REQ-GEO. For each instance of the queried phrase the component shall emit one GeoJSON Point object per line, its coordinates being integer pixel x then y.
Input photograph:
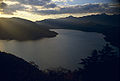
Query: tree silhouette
{"type": "Point", "coordinates": [101, 66]}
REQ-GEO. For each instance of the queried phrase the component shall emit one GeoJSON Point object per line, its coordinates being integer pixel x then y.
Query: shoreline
{"type": "Point", "coordinates": [107, 37]}
{"type": "Point", "coordinates": [31, 38]}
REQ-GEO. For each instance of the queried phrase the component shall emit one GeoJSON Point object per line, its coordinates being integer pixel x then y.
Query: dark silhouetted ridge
{"type": "Point", "coordinates": [21, 29]}
{"type": "Point", "coordinates": [13, 68]}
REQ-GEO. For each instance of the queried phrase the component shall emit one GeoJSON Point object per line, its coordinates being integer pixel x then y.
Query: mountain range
{"type": "Point", "coordinates": [21, 29]}
{"type": "Point", "coordinates": [79, 22]}
{"type": "Point", "coordinates": [101, 23]}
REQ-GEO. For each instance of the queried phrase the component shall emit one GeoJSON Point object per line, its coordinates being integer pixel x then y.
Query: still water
{"type": "Point", "coordinates": [65, 50]}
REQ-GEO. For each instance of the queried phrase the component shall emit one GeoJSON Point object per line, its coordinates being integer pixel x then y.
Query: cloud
{"type": "Point", "coordinates": [51, 5]}
{"type": "Point", "coordinates": [61, 0]}
{"type": "Point", "coordinates": [44, 3]}
{"type": "Point", "coordinates": [1, 0]}
{"type": "Point", "coordinates": [13, 8]}
{"type": "Point", "coordinates": [3, 5]}
{"type": "Point", "coordinates": [48, 7]}
{"type": "Point", "coordinates": [10, 9]}
{"type": "Point", "coordinates": [88, 8]}
{"type": "Point", "coordinates": [33, 2]}
{"type": "Point", "coordinates": [21, 5]}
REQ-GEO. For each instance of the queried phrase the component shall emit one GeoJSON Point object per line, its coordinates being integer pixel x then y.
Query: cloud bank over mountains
{"type": "Point", "coordinates": [48, 7]}
{"type": "Point", "coordinates": [87, 8]}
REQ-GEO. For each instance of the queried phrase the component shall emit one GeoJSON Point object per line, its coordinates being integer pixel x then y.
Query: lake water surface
{"type": "Point", "coordinates": [65, 50]}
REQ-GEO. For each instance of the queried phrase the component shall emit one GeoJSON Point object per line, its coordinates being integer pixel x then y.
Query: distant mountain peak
{"type": "Point", "coordinates": [103, 14]}
{"type": "Point", "coordinates": [71, 16]}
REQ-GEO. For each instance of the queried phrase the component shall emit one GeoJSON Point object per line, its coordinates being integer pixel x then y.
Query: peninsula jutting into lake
{"type": "Point", "coordinates": [22, 30]}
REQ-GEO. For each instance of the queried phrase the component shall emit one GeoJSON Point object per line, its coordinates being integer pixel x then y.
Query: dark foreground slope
{"type": "Point", "coordinates": [105, 24]}
{"type": "Point", "coordinates": [13, 68]}
{"type": "Point", "coordinates": [21, 29]}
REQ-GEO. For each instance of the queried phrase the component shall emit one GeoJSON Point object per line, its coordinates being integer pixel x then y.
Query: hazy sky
{"type": "Point", "coordinates": [43, 9]}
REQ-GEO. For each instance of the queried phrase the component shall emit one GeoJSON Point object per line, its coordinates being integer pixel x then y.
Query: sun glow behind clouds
{"type": "Point", "coordinates": [11, 2]}
{"type": "Point", "coordinates": [33, 16]}
{"type": "Point", "coordinates": [36, 17]}
{"type": "Point", "coordinates": [36, 12]}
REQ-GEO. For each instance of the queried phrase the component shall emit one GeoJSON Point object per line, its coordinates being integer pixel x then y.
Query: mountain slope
{"type": "Point", "coordinates": [86, 21]}
{"type": "Point", "coordinates": [21, 29]}
{"type": "Point", "coordinates": [13, 68]}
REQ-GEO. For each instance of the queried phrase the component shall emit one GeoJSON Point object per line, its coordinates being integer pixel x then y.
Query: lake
{"type": "Point", "coordinates": [65, 50]}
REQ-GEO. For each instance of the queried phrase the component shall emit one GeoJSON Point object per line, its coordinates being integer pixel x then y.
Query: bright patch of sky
{"type": "Point", "coordinates": [76, 2]}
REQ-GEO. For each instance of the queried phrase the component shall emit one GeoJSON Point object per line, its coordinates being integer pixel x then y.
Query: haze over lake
{"type": "Point", "coordinates": [65, 50]}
